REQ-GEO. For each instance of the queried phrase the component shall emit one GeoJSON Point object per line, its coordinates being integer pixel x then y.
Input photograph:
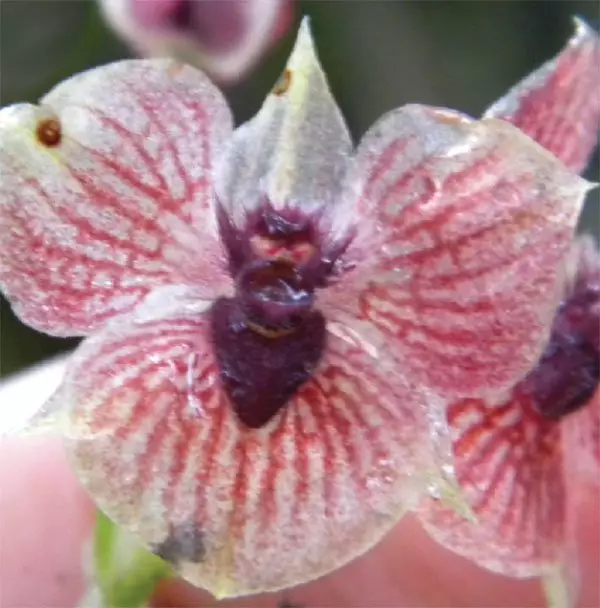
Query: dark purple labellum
{"type": "Point", "coordinates": [565, 378]}
{"type": "Point", "coordinates": [260, 373]}
{"type": "Point", "coordinates": [568, 372]}
{"type": "Point", "coordinates": [268, 339]}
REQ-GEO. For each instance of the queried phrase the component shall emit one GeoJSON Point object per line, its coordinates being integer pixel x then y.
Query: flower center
{"type": "Point", "coordinates": [268, 339]}
{"type": "Point", "coordinates": [274, 297]}
{"type": "Point", "coordinates": [568, 373]}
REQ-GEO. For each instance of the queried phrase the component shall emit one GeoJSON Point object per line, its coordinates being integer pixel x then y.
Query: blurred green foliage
{"type": "Point", "coordinates": [377, 54]}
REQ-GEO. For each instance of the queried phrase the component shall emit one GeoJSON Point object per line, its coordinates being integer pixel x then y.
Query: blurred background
{"type": "Point", "coordinates": [378, 55]}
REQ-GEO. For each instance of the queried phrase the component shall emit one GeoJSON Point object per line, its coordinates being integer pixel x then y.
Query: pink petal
{"type": "Point", "coordinates": [558, 105]}
{"type": "Point", "coordinates": [509, 463]}
{"type": "Point", "coordinates": [581, 433]}
{"type": "Point", "coordinates": [106, 193]}
{"type": "Point", "coordinates": [157, 444]}
{"type": "Point", "coordinates": [225, 38]}
{"type": "Point", "coordinates": [462, 230]}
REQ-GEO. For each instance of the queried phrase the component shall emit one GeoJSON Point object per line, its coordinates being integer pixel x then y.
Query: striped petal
{"type": "Point", "coordinates": [512, 454]}
{"type": "Point", "coordinates": [463, 228]}
{"type": "Point", "coordinates": [581, 433]}
{"type": "Point", "coordinates": [240, 510]}
{"type": "Point", "coordinates": [509, 463]}
{"type": "Point", "coordinates": [224, 38]}
{"type": "Point", "coordinates": [106, 193]}
{"type": "Point", "coordinates": [558, 105]}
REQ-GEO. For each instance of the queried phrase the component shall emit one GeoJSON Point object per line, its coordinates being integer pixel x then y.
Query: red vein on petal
{"type": "Point", "coordinates": [397, 189]}
{"type": "Point", "coordinates": [138, 220]}
{"type": "Point", "coordinates": [183, 443]}
{"type": "Point", "coordinates": [84, 226]}
{"type": "Point", "coordinates": [211, 448]}
{"type": "Point", "coordinates": [199, 117]}
{"type": "Point", "coordinates": [110, 123]}
{"type": "Point", "coordinates": [241, 464]}
{"type": "Point", "coordinates": [301, 489]}
{"type": "Point", "coordinates": [383, 164]}
{"type": "Point", "coordinates": [315, 396]}
{"type": "Point", "coordinates": [166, 201]}
{"type": "Point", "coordinates": [339, 425]}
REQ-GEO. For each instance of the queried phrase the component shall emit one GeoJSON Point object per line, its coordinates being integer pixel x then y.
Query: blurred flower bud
{"type": "Point", "coordinates": [223, 37]}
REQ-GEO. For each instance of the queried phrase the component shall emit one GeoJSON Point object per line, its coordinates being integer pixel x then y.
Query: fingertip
{"type": "Point", "coordinates": [46, 518]}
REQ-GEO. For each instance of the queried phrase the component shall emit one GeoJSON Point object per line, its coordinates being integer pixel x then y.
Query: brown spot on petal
{"type": "Point", "coordinates": [185, 542]}
{"type": "Point", "coordinates": [283, 84]}
{"type": "Point", "coordinates": [449, 118]}
{"type": "Point", "coordinates": [49, 132]}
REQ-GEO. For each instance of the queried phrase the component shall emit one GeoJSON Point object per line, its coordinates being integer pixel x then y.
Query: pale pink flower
{"type": "Point", "coordinates": [224, 37]}
{"type": "Point", "coordinates": [277, 321]}
{"type": "Point", "coordinates": [519, 456]}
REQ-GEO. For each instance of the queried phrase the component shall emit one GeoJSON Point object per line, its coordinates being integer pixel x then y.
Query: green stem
{"type": "Point", "coordinates": [126, 574]}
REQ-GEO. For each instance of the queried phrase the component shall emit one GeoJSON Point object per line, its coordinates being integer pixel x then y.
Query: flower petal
{"type": "Point", "coordinates": [293, 154]}
{"type": "Point", "coordinates": [509, 463]}
{"type": "Point", "coordinates": [106, 193]}
{"type": "Point", "coordinates": [581, 433]}
{"type": "Point", "coordinates": [558, 105]}
{"type": "Point", "coordinates": [224, 38]}
{"type": "Point", "coordinates": [463, 228]}
{"type": "Point", "coordinates": [241, 510]}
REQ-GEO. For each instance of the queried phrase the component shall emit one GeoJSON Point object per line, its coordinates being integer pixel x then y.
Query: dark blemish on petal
{"type": "Point", "coordinates": [287, 604]}
{"type": "Point", "coordinates": [49, 132]}
{"type": "Point", "coordinates": [261, 373]}
{"type": "Point", "coordinates": [185, 543]}
{"type": "Point", "coordinates": [283, 84]}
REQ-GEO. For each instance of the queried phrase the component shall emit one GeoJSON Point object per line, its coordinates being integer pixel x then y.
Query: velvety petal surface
{"type": "Point", "coordinates": [582, 437]}
{"type": "Point", "coordinates": [106, 193]}
{"type": "Point", "coordinates": [509, 463]}
{"type": "Point", "coordinates": [558, 105]}
{"type": "Point", "coordinates": [462, 230]}
{"type": "Point", "coordinates": [223, 37]}
{"type": "Point", "coordinates": [292, 156]}
{"type": "Point", "coordinates": [156, 442]}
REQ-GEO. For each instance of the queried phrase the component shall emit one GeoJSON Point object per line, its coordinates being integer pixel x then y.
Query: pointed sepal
{"type": "Point", "coordinates": [292, 155]}
{"type": "Point", "coordinates": [558, 105]}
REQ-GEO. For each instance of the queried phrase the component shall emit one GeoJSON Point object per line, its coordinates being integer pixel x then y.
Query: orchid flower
{"type": "Point", "coordinates": [517, 456]}
{"type": "Point", "coordinates": [225, 38]}
{"type": "Point", "coordinates": [276, 321]}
